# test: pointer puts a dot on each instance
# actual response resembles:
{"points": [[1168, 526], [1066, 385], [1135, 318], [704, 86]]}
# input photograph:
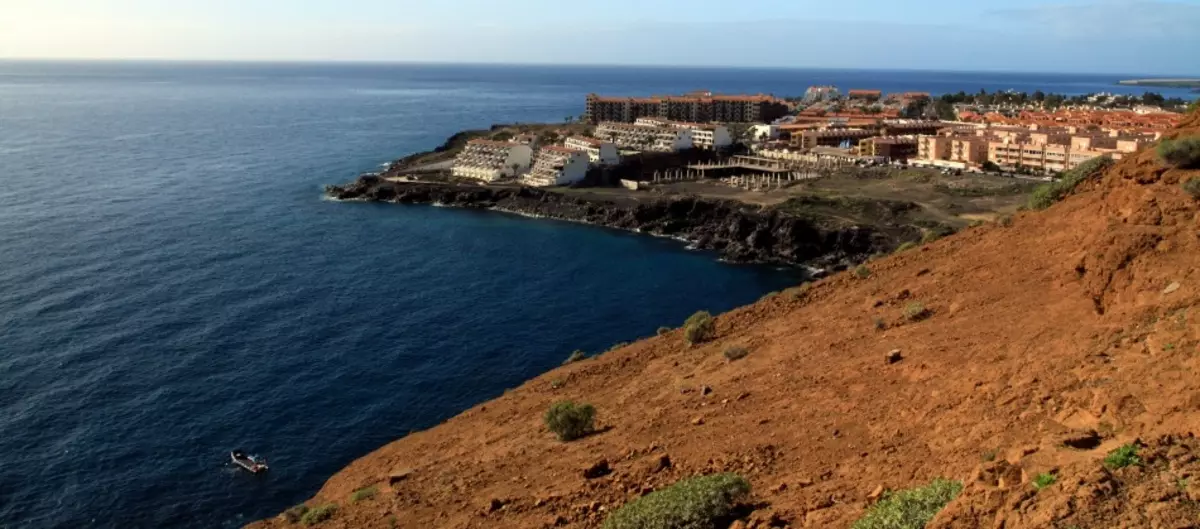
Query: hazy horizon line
{"points": [[1122, 75]]}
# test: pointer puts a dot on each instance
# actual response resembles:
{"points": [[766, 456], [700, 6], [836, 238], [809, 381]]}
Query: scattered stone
{"points": [[560, 521], [876, 494], [598, 470], [1086, 440], [398, 476], [821, 503], [495, 505], [1172, 288], [706, 390], [780, 487], [698, 421], [738, 525], [804, 482], [893, 356], [662, 464], [743, 395]]}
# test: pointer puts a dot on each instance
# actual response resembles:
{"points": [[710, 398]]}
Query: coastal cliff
{"points": [[738, 232], [1044, 365]]}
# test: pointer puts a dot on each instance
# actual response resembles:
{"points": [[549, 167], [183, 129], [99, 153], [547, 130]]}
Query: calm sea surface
{"points": [[173, 286]]}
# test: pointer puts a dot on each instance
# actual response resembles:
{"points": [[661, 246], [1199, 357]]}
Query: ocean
{"points": [[173, 285]]}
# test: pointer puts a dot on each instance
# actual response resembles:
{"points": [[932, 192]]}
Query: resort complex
{"points": [[1007, 132], [702, 107]]}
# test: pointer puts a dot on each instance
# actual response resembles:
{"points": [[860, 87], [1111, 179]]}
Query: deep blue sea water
{"points": [[173, 286]]}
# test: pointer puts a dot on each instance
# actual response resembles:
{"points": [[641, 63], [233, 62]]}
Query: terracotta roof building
{"points": [[699, 107]]}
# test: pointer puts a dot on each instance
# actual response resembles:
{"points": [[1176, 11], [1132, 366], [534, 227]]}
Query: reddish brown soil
{"points": [[1083, 318]]}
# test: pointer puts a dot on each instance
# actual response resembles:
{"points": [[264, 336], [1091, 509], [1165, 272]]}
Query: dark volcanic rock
{"points": [[738, 232]]}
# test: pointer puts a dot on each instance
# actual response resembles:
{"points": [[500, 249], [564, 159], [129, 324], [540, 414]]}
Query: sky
{"points": [[1080, 36]]}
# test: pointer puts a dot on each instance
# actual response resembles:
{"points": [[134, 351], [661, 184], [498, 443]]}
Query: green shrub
{"points": [[696, 503], [906, 247], [989, 456], [736, 353], [364, 493], [663, 330], [910, 509], [1183, 153], [295, 513], [1044, 480], [1005, 221], [570, 421], [1046, 195], [915, 311], [1125, 456], [319, 514], [557, 384], [577, 356], [1192, 187], [699, 328], [862, 272]]}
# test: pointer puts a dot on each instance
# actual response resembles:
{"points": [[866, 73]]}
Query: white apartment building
{"points": [[557, 166], [599, 152], [645, 137], [488, 161], [704, 136]]}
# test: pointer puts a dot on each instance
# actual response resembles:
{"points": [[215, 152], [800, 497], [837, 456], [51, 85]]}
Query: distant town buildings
{"points": [[488, 161], [697, 107], [816, 94], [1033, 147], [556, 165], [645, 137], [704, 136], [599, 152], [865, 95]]}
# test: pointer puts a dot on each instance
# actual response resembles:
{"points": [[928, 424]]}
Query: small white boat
{"points": [[249, 463]]}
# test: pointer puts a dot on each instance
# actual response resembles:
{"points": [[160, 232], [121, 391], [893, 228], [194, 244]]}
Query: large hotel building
{"points": [[698, 107]]}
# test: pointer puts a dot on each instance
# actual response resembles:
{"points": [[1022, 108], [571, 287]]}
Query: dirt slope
{"points": [[1077, 326]]}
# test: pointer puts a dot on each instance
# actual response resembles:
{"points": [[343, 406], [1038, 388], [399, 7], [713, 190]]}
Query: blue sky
{"points": [[1118, 36]]}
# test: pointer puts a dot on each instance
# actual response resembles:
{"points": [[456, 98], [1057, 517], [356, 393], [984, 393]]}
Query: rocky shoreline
{"points": [[738, 232]]}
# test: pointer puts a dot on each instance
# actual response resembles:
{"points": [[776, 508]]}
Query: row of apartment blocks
{"points": [[1038, 148], [660, 135], [551, 165], [696, 107]]}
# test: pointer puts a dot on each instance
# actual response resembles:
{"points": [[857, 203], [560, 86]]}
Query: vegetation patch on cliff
{"points": [[696, 503], [1046, 195], [570, 421], [910, 509]]}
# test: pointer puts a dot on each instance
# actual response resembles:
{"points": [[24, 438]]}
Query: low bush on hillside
{"points": [[910, 509], [906, 247], [1005, 221], [915, 311], [696, 503], [1044, 480], [699, 328], [862, 272], [663, 330], [295, 513], [319, 514], [736, 353], [1183, 153], [570, 421], [576, 356], [364, 493], [1193, 188], [1125, 456], [1046, 195]]}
